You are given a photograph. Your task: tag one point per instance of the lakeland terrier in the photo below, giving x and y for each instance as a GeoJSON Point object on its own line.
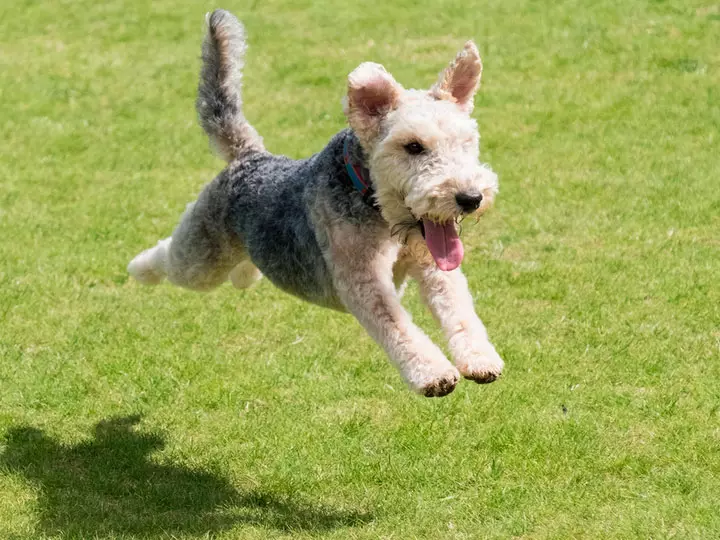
{"type": "Point", "coordinates": [345, 227]}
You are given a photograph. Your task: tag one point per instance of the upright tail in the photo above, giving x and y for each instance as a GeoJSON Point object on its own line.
{"type": "Point", "coordinates": [219, 102]}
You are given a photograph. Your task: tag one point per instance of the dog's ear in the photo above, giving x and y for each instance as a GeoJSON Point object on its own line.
{"type": "Point", "coordinates": [460, 80]}
{"type": "Point", "coordinates": [372, 93]}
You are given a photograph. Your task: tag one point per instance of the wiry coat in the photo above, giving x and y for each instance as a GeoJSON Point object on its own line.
{"type": "Point", "coordinates": [303, 225]}
{"type": "Point", "coordinates": [275, 208]}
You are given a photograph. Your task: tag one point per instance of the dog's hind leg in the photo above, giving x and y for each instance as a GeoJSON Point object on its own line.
{"type": "Point", "coordinates": [203, 250]}
{"type": "Point", "coordinates": [244, 275]}
{"type": "Point", "coordinates": [151, 267]}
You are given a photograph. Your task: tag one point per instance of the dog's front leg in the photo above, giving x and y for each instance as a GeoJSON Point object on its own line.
{"type": "Point", "coordinates": [376, 305]}
{"type": "Point", "coordinates": [363, 279]}
{"type": "Point", "coordinates": [448, 297]}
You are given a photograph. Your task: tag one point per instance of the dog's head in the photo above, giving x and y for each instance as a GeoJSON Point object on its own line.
{"type": "Point", "coordinates": [423, 149]}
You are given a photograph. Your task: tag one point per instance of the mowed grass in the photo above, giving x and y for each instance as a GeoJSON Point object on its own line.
{"type": "Point", "coordinates": [130, 412]}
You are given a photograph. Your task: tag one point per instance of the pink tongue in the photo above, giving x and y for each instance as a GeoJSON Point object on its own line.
{"type": "Point", "coordinates": [444, 244]}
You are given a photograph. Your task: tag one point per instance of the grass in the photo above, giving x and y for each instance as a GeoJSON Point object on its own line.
{"type": "Point", "coordinates": [129, 412]}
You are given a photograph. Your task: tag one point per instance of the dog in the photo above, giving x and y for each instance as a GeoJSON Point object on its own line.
{"type": "Point", "coordinates": [345, 228]}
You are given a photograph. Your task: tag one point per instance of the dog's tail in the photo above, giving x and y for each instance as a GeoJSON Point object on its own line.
{"type": "Point", "coordinates": [219, 102]}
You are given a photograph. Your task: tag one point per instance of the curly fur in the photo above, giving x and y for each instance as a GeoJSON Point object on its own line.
{"type": "Point", "coordinates": [302, 225]}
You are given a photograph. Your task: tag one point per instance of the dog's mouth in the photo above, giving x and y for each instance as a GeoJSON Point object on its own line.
{"type": "Point", "coordinates": [443, 242]}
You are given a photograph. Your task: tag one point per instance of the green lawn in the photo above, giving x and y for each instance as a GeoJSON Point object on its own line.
{"type": "Point", "coordinates": [131, 412]}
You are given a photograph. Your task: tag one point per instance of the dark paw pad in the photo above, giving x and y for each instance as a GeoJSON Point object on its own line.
{"type": "Point", "coordinates": [440, 388]}
{"type": "Point", "coordinates": [485, 377]}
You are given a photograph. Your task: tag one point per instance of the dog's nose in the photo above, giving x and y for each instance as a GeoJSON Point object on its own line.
{"type": "Point", "coordinates": [468, 203]}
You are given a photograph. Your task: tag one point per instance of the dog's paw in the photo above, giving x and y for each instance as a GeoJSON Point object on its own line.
{"type": "Point", "coordinates": [147, 267]}
{"type": "Point", "coordinates": [143, 270]}
{"type": "Point", "coordinates": [482, 365]}
{"type": "Point", "coordinates": [441, 387]}
{"type": "Point", "coordinates": [434, 383]}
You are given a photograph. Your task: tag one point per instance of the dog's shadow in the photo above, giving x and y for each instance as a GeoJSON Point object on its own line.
{"type": "Point", "coordinates": [108, 486]}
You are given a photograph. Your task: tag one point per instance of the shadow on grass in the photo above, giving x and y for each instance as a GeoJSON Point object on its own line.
{"type": "Point", "coordinates": [108, 486]}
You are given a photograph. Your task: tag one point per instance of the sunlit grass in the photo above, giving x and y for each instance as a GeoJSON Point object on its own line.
{"type": "Point", "coordinates": [131, 412]}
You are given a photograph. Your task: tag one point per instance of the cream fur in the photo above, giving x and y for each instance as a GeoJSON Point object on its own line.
{"type": "Point", "coordinates": [409, 188]}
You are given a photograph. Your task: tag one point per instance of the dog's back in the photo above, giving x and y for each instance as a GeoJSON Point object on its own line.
{"type": "Point", "coordinates": [275, 204]}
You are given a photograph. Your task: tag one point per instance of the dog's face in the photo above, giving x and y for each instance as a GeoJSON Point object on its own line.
{"type": "Point", "coordinates": [423, 150]}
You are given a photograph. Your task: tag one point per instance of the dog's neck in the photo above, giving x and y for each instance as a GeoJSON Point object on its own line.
{"type": "Point", "coordinates": [357, 174]}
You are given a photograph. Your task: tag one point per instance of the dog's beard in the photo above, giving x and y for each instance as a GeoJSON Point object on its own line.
{"type": "Point", "coordinates": [403, 229]}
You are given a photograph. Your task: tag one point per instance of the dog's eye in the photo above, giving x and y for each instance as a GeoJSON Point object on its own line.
{"type": "Point", "coordinates": [414, 148]}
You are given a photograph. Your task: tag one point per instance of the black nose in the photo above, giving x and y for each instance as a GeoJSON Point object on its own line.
{"type": "Point", "coordinates": [468, 203]}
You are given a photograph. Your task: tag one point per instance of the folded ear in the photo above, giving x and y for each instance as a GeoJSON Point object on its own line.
{"type": "Point", "coordinates": [372, 93]}
{"type": "Point", "coordinates": [459, 81]}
